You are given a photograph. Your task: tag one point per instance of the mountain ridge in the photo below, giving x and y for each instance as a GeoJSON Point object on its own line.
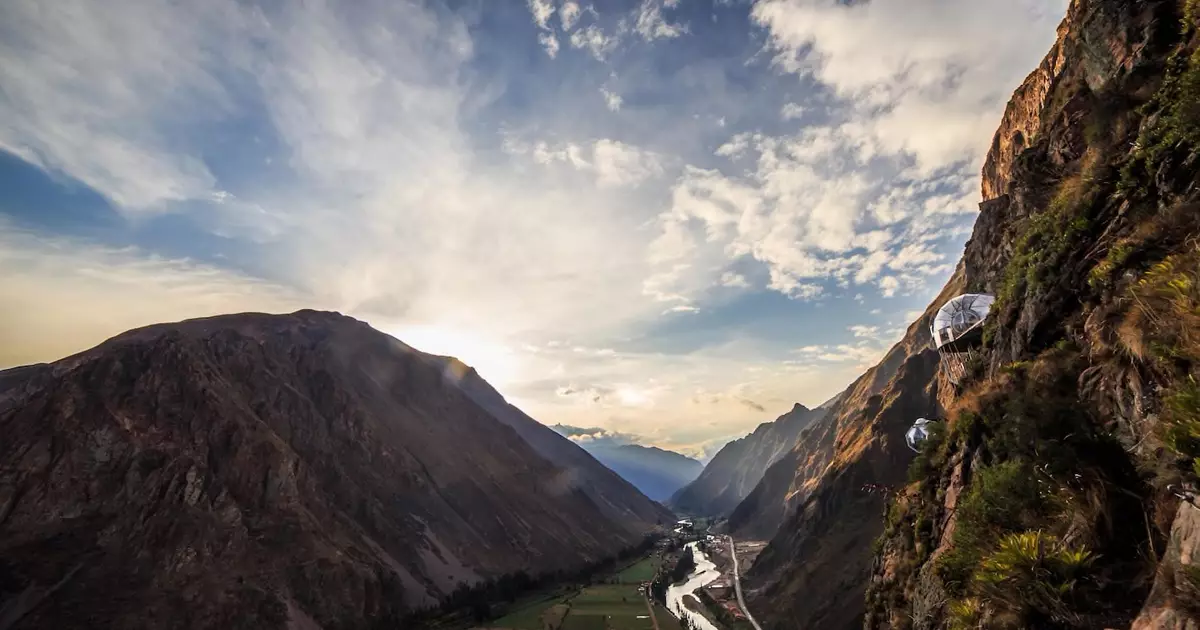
{"type": "Point", "coordinates": [267, 470]}
{"type": "Point", "coordinates": [1088, 210]}
{"type": "Point", "coordinates": [737, 468]}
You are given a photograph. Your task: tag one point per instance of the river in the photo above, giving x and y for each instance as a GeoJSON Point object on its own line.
{"type": "Point", "coordinates": [703, 575]}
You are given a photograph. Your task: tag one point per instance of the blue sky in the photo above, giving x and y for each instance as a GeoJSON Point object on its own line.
{"type": "Point", "coordinates": [667, 218]}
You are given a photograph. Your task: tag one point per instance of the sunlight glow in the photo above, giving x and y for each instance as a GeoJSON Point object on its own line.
{"type": "Point", "coordinates": [496, 362]}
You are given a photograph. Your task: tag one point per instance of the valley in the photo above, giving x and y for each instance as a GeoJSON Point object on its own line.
{"type": "Point", "coordinates": [687, 581]}
{"type": "Point", "coordinates": [1017, 448]}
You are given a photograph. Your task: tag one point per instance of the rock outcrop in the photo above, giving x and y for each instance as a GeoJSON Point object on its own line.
{"type": "Point", "coordinates": [738, 467]}
{"type": "Point", "coordinates": [1081, 408]}
{"type": "Point", "coordinates": [264, 471]}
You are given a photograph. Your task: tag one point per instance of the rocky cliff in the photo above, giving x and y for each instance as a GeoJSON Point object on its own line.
{"type": "Point", "coordinates": [260, 471]}
{"type": "Point", "coordinates": [738, 467]}
{"type": "Point", "coordinates": [814, 504]}
{"type": "Point", "coordinates": [1042, 501]}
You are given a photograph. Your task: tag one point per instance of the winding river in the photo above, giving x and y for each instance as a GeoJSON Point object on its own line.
{"type": "Point", "coordinates": [704, 573]}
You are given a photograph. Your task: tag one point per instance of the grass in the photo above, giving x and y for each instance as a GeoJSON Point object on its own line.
{"type": "Point", "coordinates": [1050, 236]}
{"type": "Point", "coordinates": [641, 571]}
{"type": "Point", "coordinates": [1175, 127]}
{"type": "Point", "coordinates": [601, 606]}
{"type": "Point", "coordinates": [530, 616]}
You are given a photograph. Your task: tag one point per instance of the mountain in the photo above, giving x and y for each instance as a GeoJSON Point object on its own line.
{"type": "Point", "coordinates": [1049, 495]}
{"type": "Point", "coordinates": [270, 471]}
{"type": "Point", "coordinates": [616, 494]}
{"type": "Point", "coordinates": [656, 472]}
{"type": "Point", "coordinates": [739, 465]}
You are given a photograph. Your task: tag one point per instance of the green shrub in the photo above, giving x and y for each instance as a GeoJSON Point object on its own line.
{"type": "Point", "coordinates": [1002, 499]}
{"type": "Point", "coordinates": [966, 613]}
{"type": "Point", "coordinates": [1117, 256]}
{"type": "Point", "coordinates": [1181, 420]}
{"type": "Point", "coordinates": [1031, 575]}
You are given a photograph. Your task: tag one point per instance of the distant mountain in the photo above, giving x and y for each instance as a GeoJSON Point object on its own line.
{"type": "Point", "coordinates": [658, 473]}
{"type": "Point", "coordinates": [609, 488]}
{"type": "Point", "coordinates": [737, 468]}
{"type": "Point", "coordinates": [274, 471]}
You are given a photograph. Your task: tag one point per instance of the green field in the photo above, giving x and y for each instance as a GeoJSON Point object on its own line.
{"type": "Point", "coordinates": [642, 571]}
{"type": "Point", "coordinates": [618, 606]}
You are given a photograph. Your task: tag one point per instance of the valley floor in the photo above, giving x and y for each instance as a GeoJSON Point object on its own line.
{"type": "Point", "coordinates": [618, 603]}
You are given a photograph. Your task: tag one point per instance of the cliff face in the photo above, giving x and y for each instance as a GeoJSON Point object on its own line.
{"type": "Point", "coordinates": [265, 471]}
{"type": "Point", "coordinates": [1041, 501]}
{"type": "Point", "coordinates": [739, 465]}
{"type": "Point", "coordinates": [813, 504]}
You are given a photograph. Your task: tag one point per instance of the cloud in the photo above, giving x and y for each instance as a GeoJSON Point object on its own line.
{"type": "Point", "coordinates": [888, 285]}
{"type": "Point", "coordinates": [791, 111]}
{"type": "Point", "coordinates": [67, 111]}
{"type": "Point", "coordinates": [550, 43]}
{"type": "Point", "coordinates": [751, 404]}
{"type": "Point", "coordinates": [734, 280]}
{"type": "Point", "coordinates": [46, 283]}
{"type": "Point", "coordinates": [861, 355]}
{"type": "Point", "coordinates": [864, 331]}
{"type": "Point", "coordinates": [596, 436]}
{"type": "Point", "coordinates": [613, 163]}
{"type": "Point", "coordinates": [612, 100]}
{"type": "Point", "coordinates": [650, 23]}
{"type": "Point", "coordinates": [497, 213]}
{"type": "Point", "coordinates": [593, 39]}
{"type": "Point", "coordinates": [569, 14]}
{"type": "Point", "coordinates": [542, 11]}
{"type": "Point", "coordinates": [931, 78]}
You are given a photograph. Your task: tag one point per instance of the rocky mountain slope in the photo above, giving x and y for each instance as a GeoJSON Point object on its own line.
{"type": "Point", "coordinates": [263, 471]}
{"type": "Point", "coordinates": [812, 505]}
{"type": "Point", "coordinates": [1042, 501]}
{"type": "Point", "coordinates": [615, 493]}
{"type": "Point", "coordinates": [657, 473]}
{"type": "Point", "coordinates": [739, 465]}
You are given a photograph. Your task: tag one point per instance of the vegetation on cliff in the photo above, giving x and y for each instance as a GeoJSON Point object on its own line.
{"type": "Point", "coordinates": [1049, 499]}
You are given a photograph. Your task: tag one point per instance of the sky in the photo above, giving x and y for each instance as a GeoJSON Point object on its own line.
{"type": "Point", "coordinates": [668, 219]}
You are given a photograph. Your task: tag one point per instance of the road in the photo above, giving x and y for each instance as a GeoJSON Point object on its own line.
{"type": "Point", "coordinates": [650, 609]}
{"type": "Point", "coordinates": [737, 585]}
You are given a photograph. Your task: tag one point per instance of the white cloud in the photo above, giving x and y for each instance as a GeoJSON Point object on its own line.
{"type": "Point", "coordinates": [612, 100]}
{"type": "Point", "coordinates": [734, 280]}
{"type": "Point", "coordinates": [381, 201]}
{"type": "Point", "coordinates": [931, 78]}
{"type": "Point", "coordinates": [613, 163]}
{"type": "Point", "coordinates": [593, 39]}
{"type": "Point", "coordinates": [549, 43]}
{"type": "Point", "coordinates": [651, 24]}
{"type": "Point", "coordinates": [542, 11]}
{"type": "Point", "coordinates": [94, 111]}
{"type": "Point", "coordinates": [792, 111]}
{"type": "Point", "coordinates": [569, 14]}
{"type": "Point", "coordinates": [61, 295]}
{"type": "Point", "coordinates": [790, 286]}
{"type": "Point", "coordinates": [888, 285]}
{"type": "Point", "coordinates": [864, 331]}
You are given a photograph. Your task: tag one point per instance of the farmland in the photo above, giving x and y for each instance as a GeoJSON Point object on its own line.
{"type": "Point", "coordinates": [617, 604]}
